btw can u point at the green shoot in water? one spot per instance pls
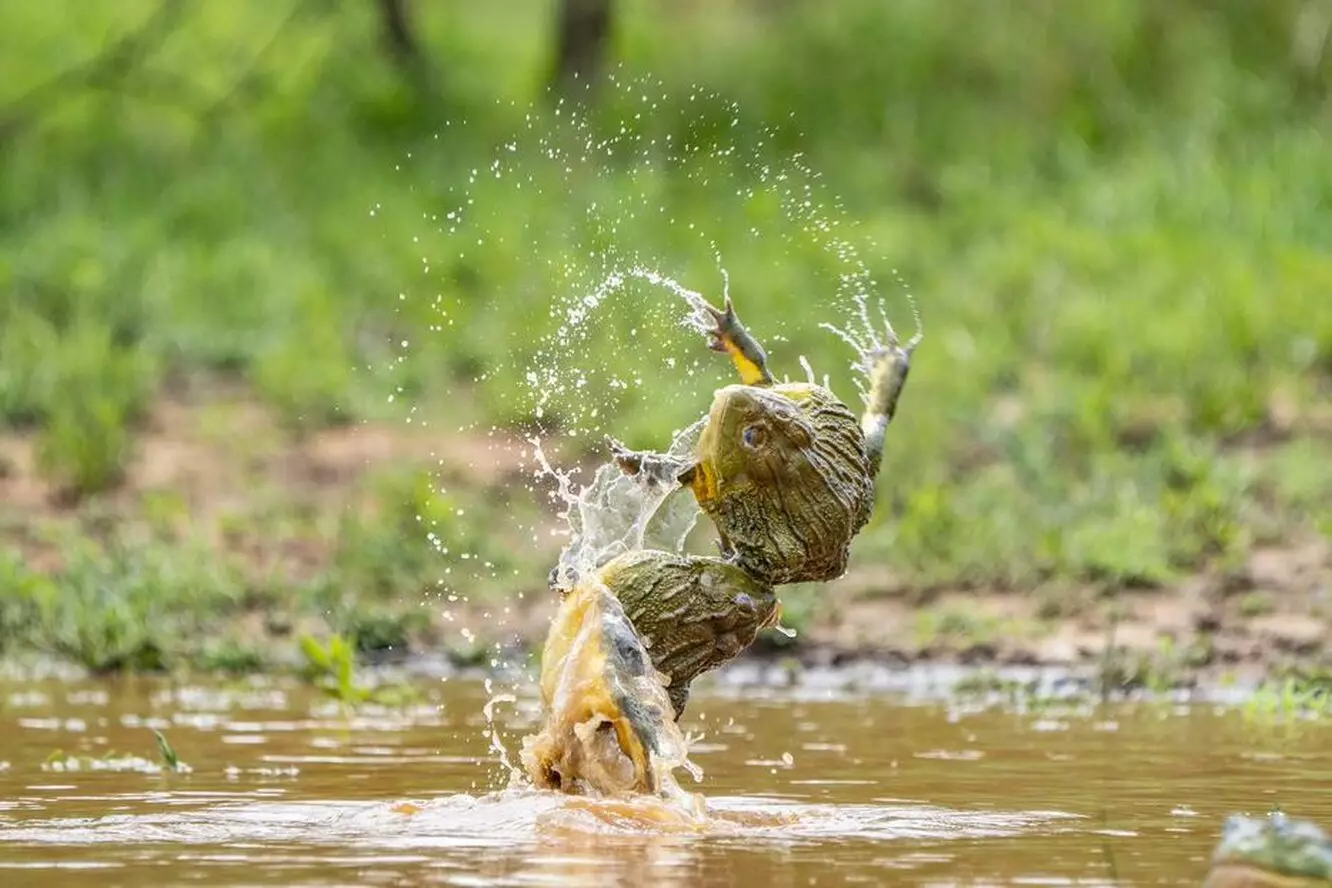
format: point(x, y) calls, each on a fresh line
point(1296, 695)
point(170, 761)
point(110, 760)
point(331, 667)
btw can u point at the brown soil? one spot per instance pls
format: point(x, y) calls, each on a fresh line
point(222, 457)
point(1276, 610)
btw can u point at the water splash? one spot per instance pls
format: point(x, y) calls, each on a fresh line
point(614, 224)
point(552, 376)
point(610, 729)
point(493, 699)
point(617, 513)
point(865, 339)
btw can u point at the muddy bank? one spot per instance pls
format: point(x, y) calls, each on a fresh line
point(1273, 611)
point(230, 539)
point(1266, 617)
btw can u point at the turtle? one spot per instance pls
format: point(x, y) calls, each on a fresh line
point(787, 473)
point(693, 612)
point(1274, 851)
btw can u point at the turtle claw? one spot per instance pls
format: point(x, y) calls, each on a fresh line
point(727, 327)
point(647, 468)
point(629, 461)
point(728, 336)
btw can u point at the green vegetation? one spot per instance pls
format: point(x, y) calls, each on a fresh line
point(1292, 695)
point(170, 760)
point(331, 667)
point(959, 627)
point(1255, 604)
point(167, 761)
point(1114, 218)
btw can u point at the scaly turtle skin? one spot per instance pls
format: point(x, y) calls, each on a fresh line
point(1271, 852)
point(694, 613)
point(786, 472)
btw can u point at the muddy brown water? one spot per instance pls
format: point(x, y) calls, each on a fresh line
point(819, 788)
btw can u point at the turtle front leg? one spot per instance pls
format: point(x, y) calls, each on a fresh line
point(889, 366)
point(730, 337)
point(647, 467)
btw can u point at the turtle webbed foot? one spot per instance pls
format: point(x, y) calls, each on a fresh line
point(730, 337)
point(629, 461)
point(561, 579)
point(647, 467)
point(888, 370)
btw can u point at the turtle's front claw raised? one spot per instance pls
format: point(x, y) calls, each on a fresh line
point(629, 461)
point(726, 327)
point(646, 467)
point(730, 337)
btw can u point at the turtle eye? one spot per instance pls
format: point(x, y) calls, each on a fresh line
point(754, 436)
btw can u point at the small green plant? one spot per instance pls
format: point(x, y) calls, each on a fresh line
point(170, 760)
point(331, 667)
point(229, 656)
point(956, 625)
point(84, 447)
point(383, 630)
point(1160, 674)
point(985, 683)
point(99, 391)
point(1295, 695)
point(1255, 604)
point(167, 761)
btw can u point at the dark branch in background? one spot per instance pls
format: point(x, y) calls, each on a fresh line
point(121, 68)
point(249, 78)
point(103, 70)
point(584, 30)
point(398, 33)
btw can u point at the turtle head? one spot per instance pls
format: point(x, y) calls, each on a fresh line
point(784, 474)
point(754, 437)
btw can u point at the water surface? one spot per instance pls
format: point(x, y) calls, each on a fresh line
point(811, 789)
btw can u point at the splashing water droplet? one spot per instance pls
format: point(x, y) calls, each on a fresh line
point(615, 176)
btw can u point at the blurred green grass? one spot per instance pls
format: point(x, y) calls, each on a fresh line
point(1114, 218)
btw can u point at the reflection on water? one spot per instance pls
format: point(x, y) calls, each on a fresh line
point(286, 789)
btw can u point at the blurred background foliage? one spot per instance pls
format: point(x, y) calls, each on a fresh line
point(1115, 217)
